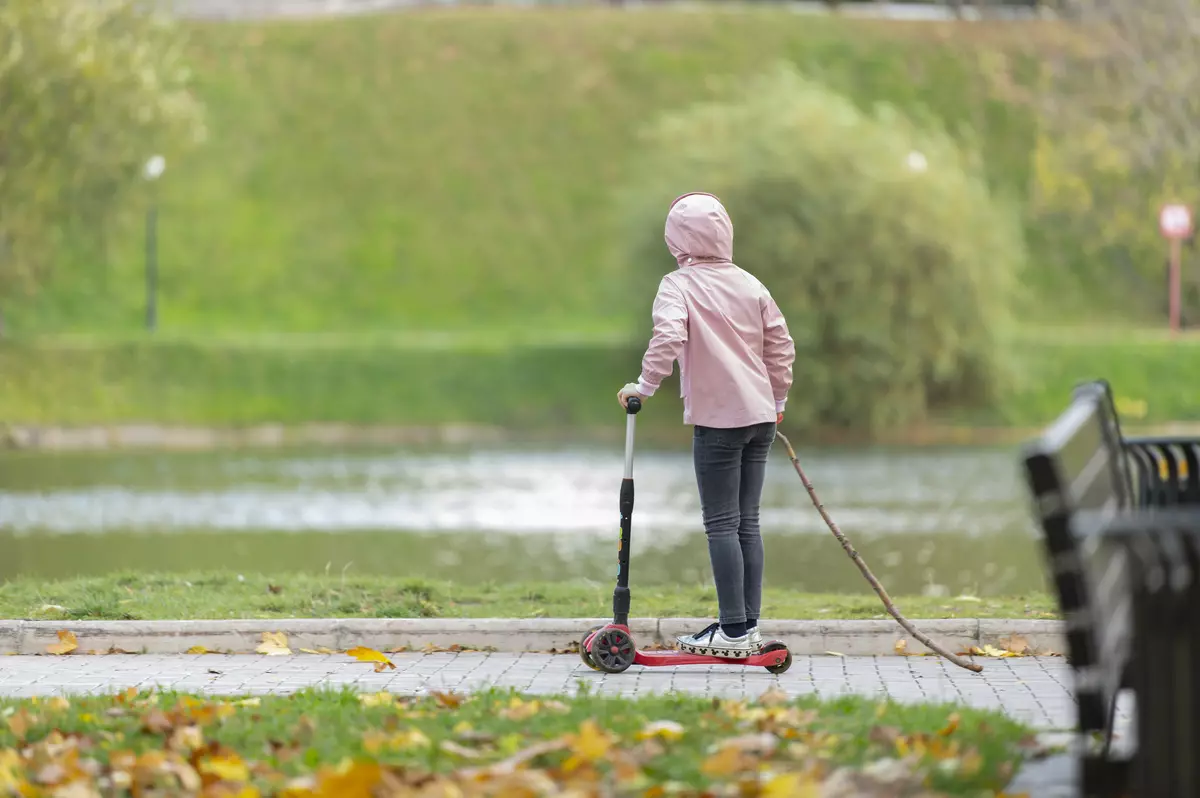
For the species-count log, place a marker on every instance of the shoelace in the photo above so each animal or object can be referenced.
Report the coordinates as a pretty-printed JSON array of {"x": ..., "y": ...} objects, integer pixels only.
[{"x": 710, "y": 630}]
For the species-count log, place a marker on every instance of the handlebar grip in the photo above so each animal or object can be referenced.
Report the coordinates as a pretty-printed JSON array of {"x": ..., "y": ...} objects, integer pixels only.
[{"x": 633, "y": 405}]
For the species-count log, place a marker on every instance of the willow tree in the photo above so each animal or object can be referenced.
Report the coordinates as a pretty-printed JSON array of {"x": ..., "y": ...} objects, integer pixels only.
[
  {"x": 879, "y": 238},
  {"x": 88, "y": 90}
]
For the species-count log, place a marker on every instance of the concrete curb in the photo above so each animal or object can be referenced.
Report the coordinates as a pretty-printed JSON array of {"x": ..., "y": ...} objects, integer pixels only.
[{"x": 850, "y": 638}]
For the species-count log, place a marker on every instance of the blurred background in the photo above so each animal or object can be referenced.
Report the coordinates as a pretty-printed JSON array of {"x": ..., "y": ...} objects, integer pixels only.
[{"x": 294, "y": 285}]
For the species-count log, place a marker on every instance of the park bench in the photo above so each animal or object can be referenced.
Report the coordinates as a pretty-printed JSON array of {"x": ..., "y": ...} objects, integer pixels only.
[{"x": 1120, "y": 521}]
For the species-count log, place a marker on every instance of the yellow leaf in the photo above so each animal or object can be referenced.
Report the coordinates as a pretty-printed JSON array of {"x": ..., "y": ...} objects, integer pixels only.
[
  {"x": 725, "y": 762},
  {"x": 901, "y": 647},
  {"x": 791, "y": 785},
  {"x": 318, "y": 650},
  {"x": 274, "y": 644},
  {"x": 249, "y": 702},
  {"x": 376, "y": 699},
  {"x": 591, "y": 743},
  {"x": 197, "y": 650},
  {"x": 58, "y": 704},
  {"x": 226, "y": 768},
  {"x": 951, "y": 725},
  {"x": 661, "y": 729},
  {"x": 65, "y": 645},
  {"x": 364, "y": 654}
]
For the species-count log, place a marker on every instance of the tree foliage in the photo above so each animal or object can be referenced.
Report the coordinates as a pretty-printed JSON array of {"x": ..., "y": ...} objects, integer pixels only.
[
  {"x": 88, "y": 90},
  {"x": 1120, "y": 127},
  {"x": 881, "y": 241}
]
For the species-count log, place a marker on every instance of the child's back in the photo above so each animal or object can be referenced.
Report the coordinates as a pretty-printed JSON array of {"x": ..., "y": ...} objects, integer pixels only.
[{"x": 735, "y": 354}]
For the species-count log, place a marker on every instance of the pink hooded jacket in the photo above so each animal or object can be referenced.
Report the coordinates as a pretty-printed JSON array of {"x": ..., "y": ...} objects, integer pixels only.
[{"x": 732, "y": 343}]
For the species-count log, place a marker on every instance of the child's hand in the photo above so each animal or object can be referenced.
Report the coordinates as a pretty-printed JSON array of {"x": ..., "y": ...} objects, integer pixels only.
[{"x": 630, "y": 390}]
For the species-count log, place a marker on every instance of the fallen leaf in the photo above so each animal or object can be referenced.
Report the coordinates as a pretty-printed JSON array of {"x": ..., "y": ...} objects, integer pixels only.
[
  {"x": 364, "y": 654},
  {"x": 791, "y": 785},
  {"x": 318, "y": 650},
  {"x": 229, "y": 767},
  {"x": 773, "y": 697},
  {"x": 901, "y": 647},
  {"x": 197, "y": 650},
  {"x": 835, "y": 653},
  {"x": 590, "y": 744},
  {"x": 274, "y": 644},
  {"x": 451, "y": 747},
  {"x": 661, "y": 729},
  {"x": 449, "y": 700},
  {"x": 951, "y": 725},
  {"x": 65, "y": 645},
  {"x": 274, "y": 589},
  {"x": 19, "y": 723}
]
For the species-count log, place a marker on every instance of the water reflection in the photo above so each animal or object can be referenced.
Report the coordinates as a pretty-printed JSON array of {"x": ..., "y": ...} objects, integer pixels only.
[{"x": 928, "y": 520}]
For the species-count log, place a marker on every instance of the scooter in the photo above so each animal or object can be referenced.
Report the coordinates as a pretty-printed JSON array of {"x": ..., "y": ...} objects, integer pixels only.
[{"x": 610, "y": 648}]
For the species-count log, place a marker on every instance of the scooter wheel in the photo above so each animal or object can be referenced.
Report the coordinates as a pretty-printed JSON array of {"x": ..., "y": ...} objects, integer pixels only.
[
  {"x": 777, "y": 646},
  {"x": 612, "y": 650},
  {"x": 583, "y": 652}
]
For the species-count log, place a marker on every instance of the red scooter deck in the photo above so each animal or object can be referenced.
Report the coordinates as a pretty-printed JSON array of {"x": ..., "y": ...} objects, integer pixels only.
[{"x": 774, "y": 658}]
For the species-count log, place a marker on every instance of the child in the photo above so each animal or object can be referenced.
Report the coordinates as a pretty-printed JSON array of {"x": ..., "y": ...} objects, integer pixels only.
[{"x": 735, "y": 369}]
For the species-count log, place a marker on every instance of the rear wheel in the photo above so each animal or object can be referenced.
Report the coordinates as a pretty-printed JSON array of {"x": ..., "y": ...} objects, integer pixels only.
[
  {"x": 583, "y": 651},
  {"x": 777, "y": 646}
]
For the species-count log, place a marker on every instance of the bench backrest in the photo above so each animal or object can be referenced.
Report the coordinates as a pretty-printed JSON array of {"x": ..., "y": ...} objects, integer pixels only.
[
  {"x": 1079, "y": 464},
  {"x": 1166, "y": 471}
]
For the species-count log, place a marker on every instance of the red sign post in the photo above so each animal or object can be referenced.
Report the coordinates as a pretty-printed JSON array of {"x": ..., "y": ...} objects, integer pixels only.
[{"x": 1175, "y": 223}]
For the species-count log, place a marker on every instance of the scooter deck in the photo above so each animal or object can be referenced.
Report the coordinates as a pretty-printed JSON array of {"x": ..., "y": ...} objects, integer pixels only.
[{"x": 671, "y": 657}]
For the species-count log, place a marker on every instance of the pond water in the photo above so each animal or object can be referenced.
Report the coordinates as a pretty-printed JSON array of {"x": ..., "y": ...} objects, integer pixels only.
[{"x": 927, "y": 520}]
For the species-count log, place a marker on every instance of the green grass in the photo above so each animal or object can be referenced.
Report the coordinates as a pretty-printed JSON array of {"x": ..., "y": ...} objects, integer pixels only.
[
  {"x": 147, "y": 596},
  {"x": 456, "y": 169},
  {"x": 339, "y": 743},
  {"x": 553, "y": 386}
]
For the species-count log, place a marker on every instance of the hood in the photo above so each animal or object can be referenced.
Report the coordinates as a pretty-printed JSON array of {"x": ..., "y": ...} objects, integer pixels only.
[{"x": 699, "y": 230}]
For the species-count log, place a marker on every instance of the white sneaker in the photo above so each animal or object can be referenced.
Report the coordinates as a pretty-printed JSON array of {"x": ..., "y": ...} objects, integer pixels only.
[
  {"x": 755, "y": 639},
  {"x": 711, "y": 641}
]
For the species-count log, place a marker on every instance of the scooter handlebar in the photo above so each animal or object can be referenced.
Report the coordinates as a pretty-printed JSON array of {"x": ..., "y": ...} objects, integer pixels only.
[{"x": 633, "y": 405}]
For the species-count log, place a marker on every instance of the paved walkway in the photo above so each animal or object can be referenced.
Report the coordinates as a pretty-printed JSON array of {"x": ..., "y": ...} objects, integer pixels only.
[{"x": 1033, "y": 690}]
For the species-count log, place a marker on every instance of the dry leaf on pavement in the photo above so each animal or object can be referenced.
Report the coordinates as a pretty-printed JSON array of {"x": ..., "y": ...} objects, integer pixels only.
[
  {"x": 364, "y": 654},
  {"x": 65, "y": 645},
  {"x": 274, "y": 644}
]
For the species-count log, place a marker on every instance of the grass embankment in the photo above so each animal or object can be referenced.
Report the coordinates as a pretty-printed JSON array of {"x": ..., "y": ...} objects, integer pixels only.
[
  {"x": 139, "y": 596},
  {"x": 455, "y": 168},
  {"x": 339, "y": 743},
  {"x": 550, "y": 387}
]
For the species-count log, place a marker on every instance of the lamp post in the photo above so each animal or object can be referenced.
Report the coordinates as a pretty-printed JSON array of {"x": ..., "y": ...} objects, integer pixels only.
[{"x": 152, "y": 171}]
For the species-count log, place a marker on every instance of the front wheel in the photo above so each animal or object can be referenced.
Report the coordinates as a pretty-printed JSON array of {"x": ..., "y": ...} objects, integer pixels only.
[
  {"x": 612, "y": 650},
  {"x": 583, "y": 650},
  {"x": 783, "y": 666}
]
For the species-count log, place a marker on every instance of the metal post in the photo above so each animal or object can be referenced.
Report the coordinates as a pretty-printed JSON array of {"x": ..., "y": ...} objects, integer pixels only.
[
  {"x": 1176, "y": 257},
  {"x": 152, "y": 267}
]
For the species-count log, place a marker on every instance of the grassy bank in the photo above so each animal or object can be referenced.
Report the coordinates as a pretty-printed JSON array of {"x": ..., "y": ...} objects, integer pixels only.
[
  {"x": 456, "y": 168},
  {"x": 494, "y": 380},
  {"x": 339, "y": 743},
  {"x": 144, "y": 596}
]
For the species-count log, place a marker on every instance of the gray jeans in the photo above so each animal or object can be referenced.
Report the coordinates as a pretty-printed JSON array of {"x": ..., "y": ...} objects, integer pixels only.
[{"x": 731, "y": 465}]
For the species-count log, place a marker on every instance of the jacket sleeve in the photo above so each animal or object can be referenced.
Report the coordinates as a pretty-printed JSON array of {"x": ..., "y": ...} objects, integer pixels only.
[
  {"x": 670, "y": 334},
  {"x": 779, "y": 351}
]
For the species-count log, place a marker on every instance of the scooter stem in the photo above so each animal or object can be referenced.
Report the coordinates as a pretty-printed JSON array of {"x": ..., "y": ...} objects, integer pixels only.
[{"x": 621, "y": 593}]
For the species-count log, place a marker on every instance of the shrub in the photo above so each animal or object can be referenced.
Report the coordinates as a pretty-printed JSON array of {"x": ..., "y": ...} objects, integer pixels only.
[{"x": 895, "y": 279}]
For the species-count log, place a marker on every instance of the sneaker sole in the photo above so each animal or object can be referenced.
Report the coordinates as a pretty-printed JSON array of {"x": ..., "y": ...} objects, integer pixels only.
[{"x": 732, "y": 653}]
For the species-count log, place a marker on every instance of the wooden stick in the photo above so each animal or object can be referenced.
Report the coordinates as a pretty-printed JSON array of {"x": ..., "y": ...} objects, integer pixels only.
[{"x": 866, "y": 572}]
